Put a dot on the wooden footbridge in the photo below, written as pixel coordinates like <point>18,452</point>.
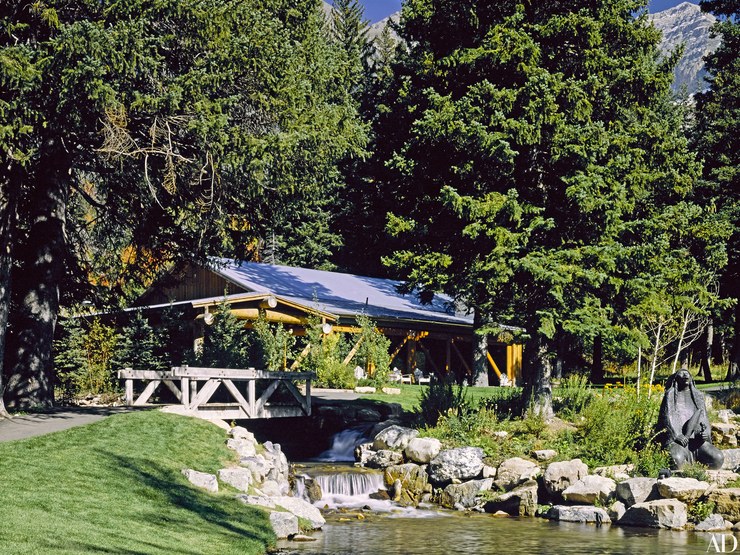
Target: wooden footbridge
<point>243,393</point>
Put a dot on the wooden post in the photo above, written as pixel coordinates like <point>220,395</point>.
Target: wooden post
<point>129,390</point>
<point>411,355</point>
<point>308,396</point>
<point>493,364</point>
<point>448,355</point>
<point>252,396</point>
<point>185,390</point>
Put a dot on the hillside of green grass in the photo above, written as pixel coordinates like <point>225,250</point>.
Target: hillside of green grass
<point>116,487</point>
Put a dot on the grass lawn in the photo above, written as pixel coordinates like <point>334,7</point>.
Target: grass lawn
<point>116,486</point>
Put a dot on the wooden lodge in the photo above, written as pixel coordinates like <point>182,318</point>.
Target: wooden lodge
<point>436,336</point>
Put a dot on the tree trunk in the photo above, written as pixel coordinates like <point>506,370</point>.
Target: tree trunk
<point>597,364</point>
<point>29,350</point>
<point>480,353</point>
<point>706,352</point>
<point>539,388</point>
<point>733,370</point>
<point>9,188</point>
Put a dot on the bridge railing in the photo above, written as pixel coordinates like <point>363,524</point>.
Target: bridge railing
<point>194,388</point>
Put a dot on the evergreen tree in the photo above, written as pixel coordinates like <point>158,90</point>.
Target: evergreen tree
<point>718,141</point>
<point>226,343</point>
<point>527,142</point>
<point>146,132</point>
<point>138,346</point>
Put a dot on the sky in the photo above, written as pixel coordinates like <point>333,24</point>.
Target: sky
<point>375,10</point>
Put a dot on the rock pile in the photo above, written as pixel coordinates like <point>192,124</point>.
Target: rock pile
<point>263,478</point>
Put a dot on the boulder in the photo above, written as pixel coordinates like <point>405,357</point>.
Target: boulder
<point>724,433</point>
<point>239,432</point>
<point>284,524</point>
<point>394,437</point>
<point>637,490</point>
<point>312,490</point>
<point>258,466</point>
<point>257,500</point>
<point>488,471</point>
<point>201,479</point>
<point>727,502</point>
<point>409,482</point>
<point>422,449</point>
<point>617,472</point>
<point>590,489</point>
<point>732,459</point>
<point>661,513</point>
<point>243,447</point>
<point>384,458</point>
<point>711,523</point>
<point>280,468</point>
<point>616,510</point>
<point>726,415</point>
<point>465,494</point>
<point>559,476</point>
<point>369,415</point>
<point>364,389</point>
<point>576,513</point>
<point>302,509</point>
<point>544,454</point>
<point>363,452</point>
<point>501,434</point>
<point>238,478</point>
<point>683,489</point>
<point>391,390</point>
<point>515,471</point>
<point>271,488</point>
<point>721,478</point>
<point>521,501</point>
<point>463,463</point>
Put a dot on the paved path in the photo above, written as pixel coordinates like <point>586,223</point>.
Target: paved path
<point>36,424</point>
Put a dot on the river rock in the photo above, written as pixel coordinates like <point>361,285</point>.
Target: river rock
<point>521,501</point>
<point>463,463</point>
<point>394,437</point>
<point>727,502</point>
<point>280,468</point>
<point>364,389</point>
<point>284,524</point>
<point>724,433</point>
<point>410,481</point>
<point>732,459</point>
<point>384,458</point>
<point>363,452</point>
<point>515,471</point>
<point>721,477</point>
<point>683,489</point>
<point>544,454</point>
<point>239,432</point>
<point>559,476</point>
<point>271,488</point>
<point>616,510</point>
<point>302,509</point>
<point>257,500</point>
<point>711,523</point>
<point>617,472</point>
<point>464,495</point>
<point>579,513</point>
<point>637,490</point>
<point>590,489</point>
<point>258,466</point>
<point>201,479</point>
<point>243,447</point>
<point>422,449</point>
<point>312,490</point>
<point>369,415</point>
<point>726,415</point>
<point>661,513</point>
<point>238,478</point>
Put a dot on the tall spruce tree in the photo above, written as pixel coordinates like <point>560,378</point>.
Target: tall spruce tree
<point>143,132</point>
<point>718,141</point>
<point>526,143</point>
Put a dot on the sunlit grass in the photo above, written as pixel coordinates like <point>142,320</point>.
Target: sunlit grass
<point>116,487</point>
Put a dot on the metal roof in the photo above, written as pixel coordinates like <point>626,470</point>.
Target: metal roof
<point>345,295</point>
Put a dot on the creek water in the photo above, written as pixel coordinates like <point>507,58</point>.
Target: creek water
<point>358,524</point>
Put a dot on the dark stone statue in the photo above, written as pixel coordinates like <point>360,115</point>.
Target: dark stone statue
<point>683,416</point>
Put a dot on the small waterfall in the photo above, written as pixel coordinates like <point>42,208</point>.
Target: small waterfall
<point>350,484</point>
<point>343,445</point>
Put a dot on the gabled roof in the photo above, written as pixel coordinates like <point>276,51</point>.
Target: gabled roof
<point>345,295</point>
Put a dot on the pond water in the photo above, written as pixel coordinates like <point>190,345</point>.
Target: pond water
<point>445,533</point>
<point>358,524</point>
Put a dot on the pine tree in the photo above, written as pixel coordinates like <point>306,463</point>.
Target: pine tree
<point>528,141</point>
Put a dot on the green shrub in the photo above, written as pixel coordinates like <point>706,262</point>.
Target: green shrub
<point>617,425</point>
<point>442,397</point>
<point>372,352</point>
<point>651,459</point>
<point>700,510</point>
<point>226,343</point>
<point>573,395</point>
<point>273,345</point>
<point>695,470</point>
<point>84,358</point>
<point>332,373</point>
<point>505,402</point>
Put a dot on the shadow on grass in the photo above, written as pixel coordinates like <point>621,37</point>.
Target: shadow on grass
<point>227,515</point>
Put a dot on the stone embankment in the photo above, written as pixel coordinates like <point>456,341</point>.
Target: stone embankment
<point>263,478</point>
<point>417,470</point>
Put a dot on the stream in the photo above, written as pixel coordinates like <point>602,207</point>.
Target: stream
<point>358,524</point>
